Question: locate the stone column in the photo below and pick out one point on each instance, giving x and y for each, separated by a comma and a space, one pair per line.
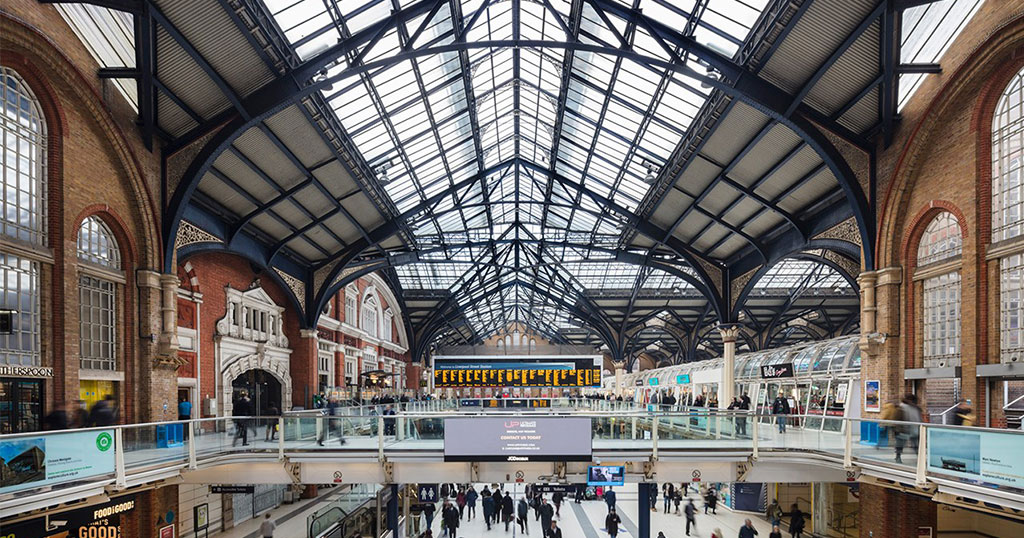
867, 281
168, 343
619, 373
883, 351
727, 387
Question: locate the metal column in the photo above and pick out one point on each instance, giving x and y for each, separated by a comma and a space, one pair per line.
643, 524
393, 512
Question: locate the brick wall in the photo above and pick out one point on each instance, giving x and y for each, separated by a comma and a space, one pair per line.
888, 513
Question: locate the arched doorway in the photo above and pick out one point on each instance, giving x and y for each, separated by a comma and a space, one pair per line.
262, 387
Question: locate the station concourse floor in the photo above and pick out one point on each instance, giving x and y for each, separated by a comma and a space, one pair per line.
584, 520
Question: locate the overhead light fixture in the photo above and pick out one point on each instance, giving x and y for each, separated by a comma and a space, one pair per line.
652, 171
321, 76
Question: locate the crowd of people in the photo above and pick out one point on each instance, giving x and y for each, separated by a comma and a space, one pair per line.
533, 513
102, 413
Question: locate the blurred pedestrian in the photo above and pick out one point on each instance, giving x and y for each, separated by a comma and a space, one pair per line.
611, 523
104, 412
747, 530
691, 516
57, 419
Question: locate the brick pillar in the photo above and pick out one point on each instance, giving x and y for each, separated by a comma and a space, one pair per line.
888, 513
157, 380
303, 369
412, 376
881, 352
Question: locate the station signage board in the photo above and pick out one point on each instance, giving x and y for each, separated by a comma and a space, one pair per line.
238, 490
653, 382
683, 379
776, 371
556, 488
639, 382
519, 372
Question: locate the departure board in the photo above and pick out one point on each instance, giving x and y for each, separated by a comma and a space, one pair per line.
454, 373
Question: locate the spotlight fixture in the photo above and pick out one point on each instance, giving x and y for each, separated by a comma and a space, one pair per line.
652, 171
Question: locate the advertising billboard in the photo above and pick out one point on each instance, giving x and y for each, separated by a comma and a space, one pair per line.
978, 456
100, 520
53, 458
517, 439
606, 475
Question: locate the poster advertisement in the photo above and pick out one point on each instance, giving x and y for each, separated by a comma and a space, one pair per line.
981, 457
872, 395
29, 462
101, 520
841, 393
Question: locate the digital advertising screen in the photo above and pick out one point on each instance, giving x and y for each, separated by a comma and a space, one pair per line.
520, 438
519, 372
606, 475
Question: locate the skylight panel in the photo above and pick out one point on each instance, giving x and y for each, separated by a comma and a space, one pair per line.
928, 31
109, 36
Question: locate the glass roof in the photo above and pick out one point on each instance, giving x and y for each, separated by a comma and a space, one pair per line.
492, 113
928, 31
791, 273
109, 35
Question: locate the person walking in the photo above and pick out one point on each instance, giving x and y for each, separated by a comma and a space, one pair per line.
796, 522
962, 415
668, 491
460, 501
450, 518
268, 527
471, 497
611, 523
547, 513
609, 499
506, 508
523, 515
57, 419
653, 493
241, 411
691, 516
909, 413
780, 408
554, 531
711, 501
488, 502
428, 512
272, 412
747, 530
580, 490
774, 513
741, 418
104, 412
678, 497
776, 532
328, 423
556, 499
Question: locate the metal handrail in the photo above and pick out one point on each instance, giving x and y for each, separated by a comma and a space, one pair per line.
1015, 400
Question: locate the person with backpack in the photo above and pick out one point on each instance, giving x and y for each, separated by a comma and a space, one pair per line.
796, 522
774, 513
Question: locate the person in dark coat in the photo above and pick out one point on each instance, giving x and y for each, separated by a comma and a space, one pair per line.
496, 514
609, 499
488, 503
103, 412
450, 517
668, 491
428, 512
611, 523
691, 516
57, 419
556, 499
523, 515
796, 522
242, 410
554, 531
271, 433
506, 509
653, 493
776, 532
711, 501
747, 530
580, 491
547, 513
780, 408
471, 497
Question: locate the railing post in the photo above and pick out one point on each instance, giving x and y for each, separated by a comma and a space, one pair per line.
280, 438
120, 479
654, 437
632, 431
848, 446
755, 439
922, 454
380, 438
400, 431
191, 446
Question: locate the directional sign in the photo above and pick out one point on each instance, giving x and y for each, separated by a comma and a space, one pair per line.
556, 488
427, 492
337, 477
232, 489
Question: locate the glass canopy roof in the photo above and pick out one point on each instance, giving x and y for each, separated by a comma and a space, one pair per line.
493, 113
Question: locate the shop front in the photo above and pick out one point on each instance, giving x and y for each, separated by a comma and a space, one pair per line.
22, 390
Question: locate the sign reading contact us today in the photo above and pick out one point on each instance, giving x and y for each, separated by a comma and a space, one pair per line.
29, 462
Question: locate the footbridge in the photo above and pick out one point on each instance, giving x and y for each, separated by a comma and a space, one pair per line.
363, 445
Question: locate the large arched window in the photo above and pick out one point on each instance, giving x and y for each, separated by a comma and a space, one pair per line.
1008, 213
1007, 157
100, 266
386, 333
369, 317
22, 218
941, 242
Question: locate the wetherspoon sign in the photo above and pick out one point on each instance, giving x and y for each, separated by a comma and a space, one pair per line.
773, 371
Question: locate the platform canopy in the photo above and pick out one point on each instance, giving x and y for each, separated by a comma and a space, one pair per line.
626, 174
